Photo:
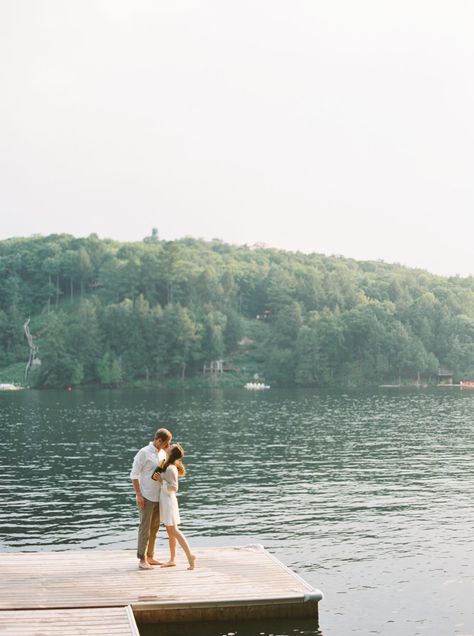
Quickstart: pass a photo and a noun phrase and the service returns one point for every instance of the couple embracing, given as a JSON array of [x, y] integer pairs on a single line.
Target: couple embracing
[[154, 476]]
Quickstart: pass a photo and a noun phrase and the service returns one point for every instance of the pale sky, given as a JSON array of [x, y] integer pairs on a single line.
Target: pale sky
[[333, 126]]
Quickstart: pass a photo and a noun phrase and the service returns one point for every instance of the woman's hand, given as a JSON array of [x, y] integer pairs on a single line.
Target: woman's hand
[[156, 477]]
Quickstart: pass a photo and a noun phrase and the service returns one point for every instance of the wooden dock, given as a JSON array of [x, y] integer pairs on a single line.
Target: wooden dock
[[109, 621], [228, 582]]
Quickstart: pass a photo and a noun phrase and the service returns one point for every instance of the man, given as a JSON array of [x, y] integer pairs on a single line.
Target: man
[[147, 493]]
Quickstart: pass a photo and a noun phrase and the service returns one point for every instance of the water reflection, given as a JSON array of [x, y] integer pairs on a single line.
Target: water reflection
[[335, 484], [280, 627]]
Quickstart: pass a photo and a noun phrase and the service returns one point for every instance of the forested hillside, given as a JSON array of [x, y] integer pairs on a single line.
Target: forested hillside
[[105, 312]]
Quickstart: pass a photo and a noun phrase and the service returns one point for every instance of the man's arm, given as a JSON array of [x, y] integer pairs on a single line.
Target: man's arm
[[138, 494], [134, 475]]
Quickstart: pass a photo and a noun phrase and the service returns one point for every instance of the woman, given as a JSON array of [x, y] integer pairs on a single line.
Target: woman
[[169, 510]]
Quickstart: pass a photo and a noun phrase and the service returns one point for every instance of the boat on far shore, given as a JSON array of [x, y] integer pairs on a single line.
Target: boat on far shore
[[10, 387], [256, 386]]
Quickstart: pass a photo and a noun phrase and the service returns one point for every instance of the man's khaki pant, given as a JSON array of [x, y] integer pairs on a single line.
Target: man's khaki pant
[[148, 529]]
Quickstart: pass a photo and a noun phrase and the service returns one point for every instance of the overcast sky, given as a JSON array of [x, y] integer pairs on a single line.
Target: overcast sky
[[332, 126]]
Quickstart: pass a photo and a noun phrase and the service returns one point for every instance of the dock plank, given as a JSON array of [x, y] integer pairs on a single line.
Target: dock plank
[[108, 621], [227, 581]]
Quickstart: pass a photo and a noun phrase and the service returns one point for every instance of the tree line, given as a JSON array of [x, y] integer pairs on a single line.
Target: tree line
[[106, 312]]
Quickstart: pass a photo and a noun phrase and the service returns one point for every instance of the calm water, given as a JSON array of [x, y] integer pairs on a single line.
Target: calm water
[[369, 496]]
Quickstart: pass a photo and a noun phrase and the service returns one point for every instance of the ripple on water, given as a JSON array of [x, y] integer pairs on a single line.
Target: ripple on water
[[338, 485]]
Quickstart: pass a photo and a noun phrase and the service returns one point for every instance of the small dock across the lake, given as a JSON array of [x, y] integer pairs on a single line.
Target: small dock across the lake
[[228, 583]]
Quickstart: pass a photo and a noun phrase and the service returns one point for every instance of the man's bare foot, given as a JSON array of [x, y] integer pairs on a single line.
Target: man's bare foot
[[192, 562], [153, 561], [168, 564], [144, 565]]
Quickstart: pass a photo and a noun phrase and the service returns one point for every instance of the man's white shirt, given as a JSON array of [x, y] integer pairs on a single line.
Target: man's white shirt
[[144, 464]]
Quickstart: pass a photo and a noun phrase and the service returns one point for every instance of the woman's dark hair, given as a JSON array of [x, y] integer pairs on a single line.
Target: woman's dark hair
[[176, 453]]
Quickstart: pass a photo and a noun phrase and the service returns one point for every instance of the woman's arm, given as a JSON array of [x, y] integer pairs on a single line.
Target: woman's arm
[[171, 478]]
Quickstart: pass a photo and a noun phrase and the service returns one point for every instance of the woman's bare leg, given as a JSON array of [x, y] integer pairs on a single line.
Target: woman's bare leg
[[172, 542], [181, 539]]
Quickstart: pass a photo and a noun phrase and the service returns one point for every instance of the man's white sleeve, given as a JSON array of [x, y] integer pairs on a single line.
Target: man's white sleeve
[[137, 466]]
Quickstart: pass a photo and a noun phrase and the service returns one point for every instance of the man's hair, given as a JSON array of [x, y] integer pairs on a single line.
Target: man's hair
[[163, 434]]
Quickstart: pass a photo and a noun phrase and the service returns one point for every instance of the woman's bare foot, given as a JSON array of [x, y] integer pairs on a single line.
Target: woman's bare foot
[[168, 564], [153, 561], [192, 562]]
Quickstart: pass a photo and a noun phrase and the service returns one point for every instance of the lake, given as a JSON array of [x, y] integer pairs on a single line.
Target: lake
[[369, 496]]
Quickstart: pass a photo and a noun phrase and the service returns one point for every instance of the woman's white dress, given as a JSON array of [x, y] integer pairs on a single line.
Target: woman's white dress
[[169, 510]]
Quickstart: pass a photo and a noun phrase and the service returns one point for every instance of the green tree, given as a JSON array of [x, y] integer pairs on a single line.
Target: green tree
[[288, 322], [233, 331], [84, 266], [179, 340], [109, 369], [308, 357], [59, 367], [280, 366], [213, 336], [83, 339]]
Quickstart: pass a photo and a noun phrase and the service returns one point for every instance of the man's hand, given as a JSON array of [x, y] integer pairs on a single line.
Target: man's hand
[[140, 501]]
